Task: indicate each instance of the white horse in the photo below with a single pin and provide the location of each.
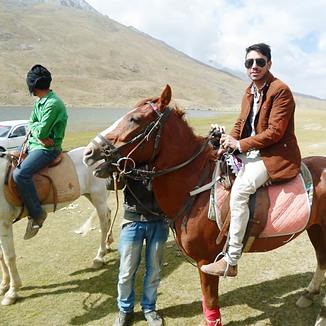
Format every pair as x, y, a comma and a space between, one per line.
91, 187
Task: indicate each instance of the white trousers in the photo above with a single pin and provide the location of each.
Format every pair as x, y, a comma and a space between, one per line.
252, 175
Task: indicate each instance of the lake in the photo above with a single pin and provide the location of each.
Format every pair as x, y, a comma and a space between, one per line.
91, 118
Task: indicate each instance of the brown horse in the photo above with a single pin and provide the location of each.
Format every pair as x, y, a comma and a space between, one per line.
156, 134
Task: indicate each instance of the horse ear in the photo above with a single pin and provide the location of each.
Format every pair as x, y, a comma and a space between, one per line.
165, 97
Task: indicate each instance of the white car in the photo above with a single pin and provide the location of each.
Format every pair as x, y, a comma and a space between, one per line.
12, 134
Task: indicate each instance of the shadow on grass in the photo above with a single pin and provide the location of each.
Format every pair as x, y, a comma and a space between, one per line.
275, 300
98, 288
272, 300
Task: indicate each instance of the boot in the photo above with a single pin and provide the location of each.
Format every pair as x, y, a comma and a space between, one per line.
153, 318
220, 268
124, 319
33, 225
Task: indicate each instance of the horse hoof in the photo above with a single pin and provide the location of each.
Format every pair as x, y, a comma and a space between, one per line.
97, 263
304, 302
7, 301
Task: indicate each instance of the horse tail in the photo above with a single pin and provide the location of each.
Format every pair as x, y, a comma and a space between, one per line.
88, 225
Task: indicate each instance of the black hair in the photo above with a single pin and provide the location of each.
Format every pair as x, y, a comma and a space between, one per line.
38, 78
262, 48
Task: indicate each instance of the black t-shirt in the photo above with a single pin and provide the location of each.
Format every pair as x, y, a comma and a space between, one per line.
140, 200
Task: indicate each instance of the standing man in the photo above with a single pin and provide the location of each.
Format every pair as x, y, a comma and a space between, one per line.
143, 221
47, 126
264, 135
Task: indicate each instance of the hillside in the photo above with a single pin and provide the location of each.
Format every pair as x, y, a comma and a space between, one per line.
96, 61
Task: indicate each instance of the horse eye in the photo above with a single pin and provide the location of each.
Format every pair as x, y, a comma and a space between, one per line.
134, 119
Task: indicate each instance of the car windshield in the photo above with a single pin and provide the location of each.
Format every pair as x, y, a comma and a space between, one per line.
4, 130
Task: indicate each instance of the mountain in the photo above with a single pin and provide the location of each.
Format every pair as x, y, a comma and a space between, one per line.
77, 4
96, 61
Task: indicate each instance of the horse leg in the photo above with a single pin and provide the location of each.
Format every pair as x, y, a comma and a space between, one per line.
312, 290
8, 265
211, 309
317, 235
5, 282
104, 214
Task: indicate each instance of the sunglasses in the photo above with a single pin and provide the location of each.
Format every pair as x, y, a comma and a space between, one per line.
260, 62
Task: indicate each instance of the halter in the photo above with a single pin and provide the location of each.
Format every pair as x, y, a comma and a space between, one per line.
113, 153
110, 152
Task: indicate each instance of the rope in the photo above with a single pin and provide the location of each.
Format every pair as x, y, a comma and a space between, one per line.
116, 210
23, 149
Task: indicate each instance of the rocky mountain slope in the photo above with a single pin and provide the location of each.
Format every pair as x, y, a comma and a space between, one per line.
96, 61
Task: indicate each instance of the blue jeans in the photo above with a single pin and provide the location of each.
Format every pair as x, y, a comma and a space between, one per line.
132, 237
34, 162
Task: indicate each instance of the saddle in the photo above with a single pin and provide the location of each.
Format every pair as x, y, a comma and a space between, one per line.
276, 210
56, 183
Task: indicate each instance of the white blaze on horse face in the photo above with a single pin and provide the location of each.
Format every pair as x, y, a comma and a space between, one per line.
112, 127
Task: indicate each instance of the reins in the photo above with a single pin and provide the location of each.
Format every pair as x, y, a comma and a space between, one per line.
116, 210
109, 151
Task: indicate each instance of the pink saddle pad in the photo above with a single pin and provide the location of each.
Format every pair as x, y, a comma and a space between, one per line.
289, 209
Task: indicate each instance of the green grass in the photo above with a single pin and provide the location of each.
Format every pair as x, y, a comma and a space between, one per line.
76, 139
60, 288
310, 130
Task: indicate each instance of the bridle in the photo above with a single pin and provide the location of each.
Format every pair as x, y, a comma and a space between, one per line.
113, 154
154, 129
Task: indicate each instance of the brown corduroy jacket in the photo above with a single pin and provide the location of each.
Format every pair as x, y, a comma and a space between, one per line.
274, 127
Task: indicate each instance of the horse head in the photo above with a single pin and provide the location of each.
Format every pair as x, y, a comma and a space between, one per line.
132, 139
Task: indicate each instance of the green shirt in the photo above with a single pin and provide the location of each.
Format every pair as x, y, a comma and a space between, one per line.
48, 120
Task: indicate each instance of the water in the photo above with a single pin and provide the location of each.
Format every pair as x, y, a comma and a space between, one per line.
90, 118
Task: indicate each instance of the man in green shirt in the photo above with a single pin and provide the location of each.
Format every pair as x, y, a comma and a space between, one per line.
47, 126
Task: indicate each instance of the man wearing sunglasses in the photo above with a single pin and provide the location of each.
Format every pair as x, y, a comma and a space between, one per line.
264, 136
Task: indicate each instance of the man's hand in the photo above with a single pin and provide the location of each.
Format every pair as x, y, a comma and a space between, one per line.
228, 141
47, 142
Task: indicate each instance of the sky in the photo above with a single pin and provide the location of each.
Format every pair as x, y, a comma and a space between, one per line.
217, 32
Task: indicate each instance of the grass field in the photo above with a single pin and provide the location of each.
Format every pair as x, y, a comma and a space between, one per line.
60, 288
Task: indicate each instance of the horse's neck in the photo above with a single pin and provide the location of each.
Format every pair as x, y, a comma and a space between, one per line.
87, 181
172, 189
83, 173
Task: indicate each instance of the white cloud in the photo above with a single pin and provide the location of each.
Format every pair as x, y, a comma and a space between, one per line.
219, 31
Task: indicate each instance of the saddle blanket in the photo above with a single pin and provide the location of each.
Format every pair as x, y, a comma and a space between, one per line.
57, 184
288, 212
289, 209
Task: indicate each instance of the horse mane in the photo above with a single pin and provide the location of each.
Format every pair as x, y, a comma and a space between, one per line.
180, 112
146, 100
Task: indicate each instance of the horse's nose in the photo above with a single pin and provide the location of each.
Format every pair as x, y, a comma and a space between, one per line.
88, 152
88, 156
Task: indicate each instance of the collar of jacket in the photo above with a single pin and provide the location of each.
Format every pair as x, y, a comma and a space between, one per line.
269, 80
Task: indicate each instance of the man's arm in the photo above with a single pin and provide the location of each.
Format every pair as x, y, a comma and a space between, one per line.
41, 129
